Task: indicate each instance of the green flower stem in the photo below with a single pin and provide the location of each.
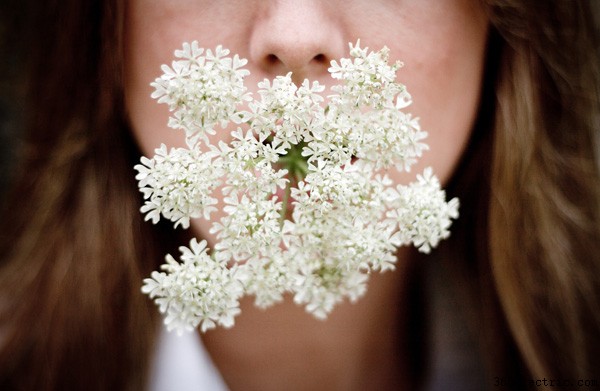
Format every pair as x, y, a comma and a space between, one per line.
297, 168
286, 199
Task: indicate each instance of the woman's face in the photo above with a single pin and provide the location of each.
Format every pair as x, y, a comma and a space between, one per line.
441, 43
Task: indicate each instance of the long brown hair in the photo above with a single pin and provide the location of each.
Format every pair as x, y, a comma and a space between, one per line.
526, 250
74, 248
545, 204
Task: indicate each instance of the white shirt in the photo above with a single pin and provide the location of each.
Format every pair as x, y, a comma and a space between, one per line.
181, 363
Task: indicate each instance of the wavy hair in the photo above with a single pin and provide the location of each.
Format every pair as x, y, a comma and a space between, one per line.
544, 210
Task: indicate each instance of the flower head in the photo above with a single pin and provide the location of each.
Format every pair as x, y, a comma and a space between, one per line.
337, 220
198, 291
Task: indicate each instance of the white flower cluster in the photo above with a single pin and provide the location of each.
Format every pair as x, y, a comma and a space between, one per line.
307, 209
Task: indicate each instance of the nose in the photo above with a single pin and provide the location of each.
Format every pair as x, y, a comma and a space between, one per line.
301, 37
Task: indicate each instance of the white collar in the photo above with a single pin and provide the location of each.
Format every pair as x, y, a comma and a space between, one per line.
182, 363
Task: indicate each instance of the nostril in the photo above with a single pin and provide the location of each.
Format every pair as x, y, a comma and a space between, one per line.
319, 58
272, 59
302, 63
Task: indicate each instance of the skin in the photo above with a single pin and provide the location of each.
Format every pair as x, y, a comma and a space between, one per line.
442, 44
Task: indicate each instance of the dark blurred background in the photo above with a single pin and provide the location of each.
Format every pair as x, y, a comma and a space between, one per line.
13, 32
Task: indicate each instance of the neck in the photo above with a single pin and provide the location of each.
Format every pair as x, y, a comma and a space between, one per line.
360, 346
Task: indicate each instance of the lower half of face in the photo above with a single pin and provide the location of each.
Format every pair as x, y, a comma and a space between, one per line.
440, 42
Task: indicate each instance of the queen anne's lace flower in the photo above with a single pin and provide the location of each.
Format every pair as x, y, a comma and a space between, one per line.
178, 184
306, 210
198, 291
421, 213
202, 91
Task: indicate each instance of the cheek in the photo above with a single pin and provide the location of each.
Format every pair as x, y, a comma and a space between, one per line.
445, 83
447, 107
146, 48
149, 121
